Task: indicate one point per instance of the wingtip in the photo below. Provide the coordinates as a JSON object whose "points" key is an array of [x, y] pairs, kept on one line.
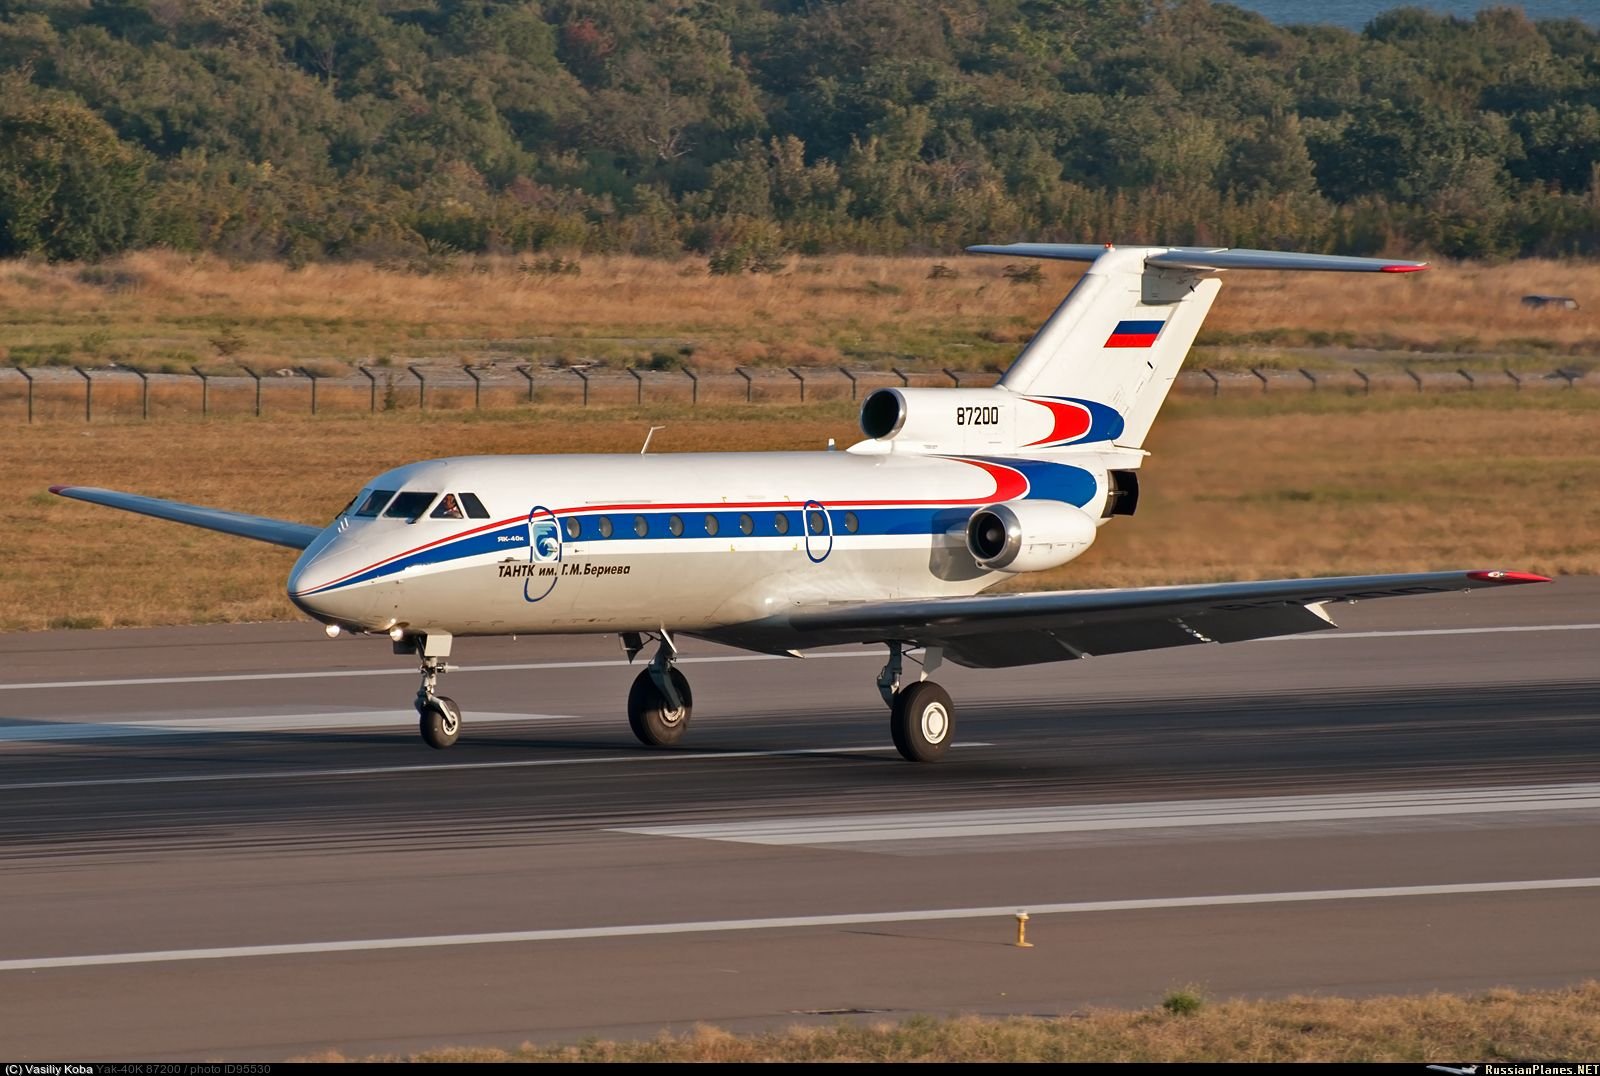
{"points": [[1417, 268], [60, 491], [1507, 577]]}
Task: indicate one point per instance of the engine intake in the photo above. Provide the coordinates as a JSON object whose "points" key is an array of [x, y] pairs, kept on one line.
{"points": [[1028, 536]]}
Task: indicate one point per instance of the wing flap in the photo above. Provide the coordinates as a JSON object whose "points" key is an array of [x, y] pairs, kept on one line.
{"points": [[239, 524]]}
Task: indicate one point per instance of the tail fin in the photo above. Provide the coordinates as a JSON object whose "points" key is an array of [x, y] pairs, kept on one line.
{"points": [[1120, 336]]}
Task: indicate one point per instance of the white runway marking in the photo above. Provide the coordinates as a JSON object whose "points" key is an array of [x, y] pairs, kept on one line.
{"points": [[366, 771], [49, 731], [848, 829], [406, 670], [435, 941]]}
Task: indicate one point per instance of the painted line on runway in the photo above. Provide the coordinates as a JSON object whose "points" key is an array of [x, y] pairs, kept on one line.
{"points": [[57, 731], [719, 926], [334, 674], [1097, 818], [651, 755]]}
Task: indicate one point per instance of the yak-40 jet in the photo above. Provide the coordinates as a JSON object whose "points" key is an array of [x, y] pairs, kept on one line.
{"points": [[888, 543]]}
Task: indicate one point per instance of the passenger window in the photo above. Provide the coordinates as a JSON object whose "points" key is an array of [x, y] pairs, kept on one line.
{"points": [[746, 524], [574, 528], [474, 507], [851, 524], [605, 526], [448, 508], [675, 525], [781, 523], [815, 519], [374, 503], [641, 526], [409, 505], [711, 526]]}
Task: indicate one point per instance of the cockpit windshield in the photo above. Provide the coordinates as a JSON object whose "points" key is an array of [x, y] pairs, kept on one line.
{"points": [[459, 506], [374, 503], [409, 505]]}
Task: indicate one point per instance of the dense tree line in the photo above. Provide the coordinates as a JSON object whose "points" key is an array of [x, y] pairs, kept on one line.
{"points": [[744, 128]]}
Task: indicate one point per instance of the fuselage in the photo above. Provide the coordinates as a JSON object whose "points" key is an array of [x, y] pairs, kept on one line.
{"points": [[489, 545]]}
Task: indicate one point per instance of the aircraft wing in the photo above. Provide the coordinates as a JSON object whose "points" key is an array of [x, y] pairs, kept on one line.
{"points": [[1000, 630], [261, 528]]}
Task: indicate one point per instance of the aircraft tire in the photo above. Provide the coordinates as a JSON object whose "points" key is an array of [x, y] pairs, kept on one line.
{"points": [[440, 722], [649, 715], [922, 722]]}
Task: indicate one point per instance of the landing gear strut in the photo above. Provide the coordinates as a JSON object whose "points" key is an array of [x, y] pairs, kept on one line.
{"points": [[922, 719], [439, 718], [660, 702]]}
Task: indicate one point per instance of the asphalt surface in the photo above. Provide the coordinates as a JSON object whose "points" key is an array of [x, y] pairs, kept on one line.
{"points": [[228, 843]]}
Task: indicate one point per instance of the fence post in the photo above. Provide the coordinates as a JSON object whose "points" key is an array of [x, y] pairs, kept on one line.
{"points": [[904, 380], [852, 378], [694, 386], [372, 389], [527, 373], [998, 373], [1515, 380], [1307, 375], [802, 381], [1413, 376], [1471, 383], [585, 379], [1216, 386], [205, 390], [308, 375], [88, 394], [638, 385], [257, 376], [954, 377], [1570, 377], [29, 378], [1366, 382], [1260, 377], [144, 393], [749, 386], [477, 387], [421, 388]]}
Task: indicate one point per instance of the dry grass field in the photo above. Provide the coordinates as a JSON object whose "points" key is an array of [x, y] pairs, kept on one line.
{"points": [[161, 310], [1236, 488], [1503, 1025]]}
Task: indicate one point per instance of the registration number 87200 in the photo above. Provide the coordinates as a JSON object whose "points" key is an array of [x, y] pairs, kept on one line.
{"points": [[977, 416]]}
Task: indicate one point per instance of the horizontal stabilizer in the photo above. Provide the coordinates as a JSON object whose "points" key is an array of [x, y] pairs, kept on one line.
{"points": [[261, 528], [1208, 258]]}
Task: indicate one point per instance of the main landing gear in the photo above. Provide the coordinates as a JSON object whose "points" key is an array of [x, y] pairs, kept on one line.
{"points": [[660, 702], [922, 719]]}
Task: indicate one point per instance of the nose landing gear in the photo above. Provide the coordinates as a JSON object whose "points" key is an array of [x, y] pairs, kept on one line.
{"points": [[438, 716]]}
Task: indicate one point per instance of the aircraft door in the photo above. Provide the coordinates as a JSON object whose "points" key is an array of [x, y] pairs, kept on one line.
{"points": [[818, 524], [544, 551]]}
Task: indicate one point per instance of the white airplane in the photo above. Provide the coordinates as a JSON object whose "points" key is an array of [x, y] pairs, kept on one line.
{"points": [[887, 543]]}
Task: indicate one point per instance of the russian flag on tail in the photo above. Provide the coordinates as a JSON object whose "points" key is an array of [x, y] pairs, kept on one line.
{"points": [[1134, 334]]}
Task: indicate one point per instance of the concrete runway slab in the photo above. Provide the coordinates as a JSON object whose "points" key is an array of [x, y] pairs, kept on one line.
{"points": [[1425, 775]]}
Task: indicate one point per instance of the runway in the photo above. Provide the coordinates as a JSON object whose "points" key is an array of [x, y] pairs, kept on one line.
{"points": [[228, 843]]}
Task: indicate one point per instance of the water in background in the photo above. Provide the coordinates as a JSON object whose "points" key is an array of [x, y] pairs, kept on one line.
{"points": [[1354, 14]]}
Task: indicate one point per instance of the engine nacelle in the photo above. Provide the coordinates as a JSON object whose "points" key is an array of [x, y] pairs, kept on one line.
{"points": [[1028, 536], [979, 420]]}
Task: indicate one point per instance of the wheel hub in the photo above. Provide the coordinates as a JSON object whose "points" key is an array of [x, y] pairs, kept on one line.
{"points": [[935, 723]]}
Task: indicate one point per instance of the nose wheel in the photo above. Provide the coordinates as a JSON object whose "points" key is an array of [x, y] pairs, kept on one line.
{"points": [[438, 717], [440, 721]]}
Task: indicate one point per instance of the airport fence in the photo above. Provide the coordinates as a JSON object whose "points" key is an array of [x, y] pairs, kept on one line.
{"points": [[40, 394]]}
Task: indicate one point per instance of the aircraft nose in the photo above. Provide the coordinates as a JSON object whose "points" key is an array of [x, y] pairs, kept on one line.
{"points": [[320, 586]]}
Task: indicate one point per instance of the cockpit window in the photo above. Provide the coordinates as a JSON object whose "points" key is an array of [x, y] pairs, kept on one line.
{"points": [[409, 505], [374, 503], [474, 507], [448, 508]]}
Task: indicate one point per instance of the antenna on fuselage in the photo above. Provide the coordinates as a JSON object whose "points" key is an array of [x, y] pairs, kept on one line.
{"points": [[647, 437]]}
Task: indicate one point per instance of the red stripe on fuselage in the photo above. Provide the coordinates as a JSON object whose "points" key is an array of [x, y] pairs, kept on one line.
{"points": [[1071, 421]]}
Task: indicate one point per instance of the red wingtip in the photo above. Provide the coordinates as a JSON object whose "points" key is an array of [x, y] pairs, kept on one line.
{"points": [[1402, 268], [57, 489], [1507, 577]]}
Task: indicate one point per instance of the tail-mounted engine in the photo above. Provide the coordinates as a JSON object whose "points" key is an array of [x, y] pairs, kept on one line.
{"points": [[1028, 536], [979, 421]]}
